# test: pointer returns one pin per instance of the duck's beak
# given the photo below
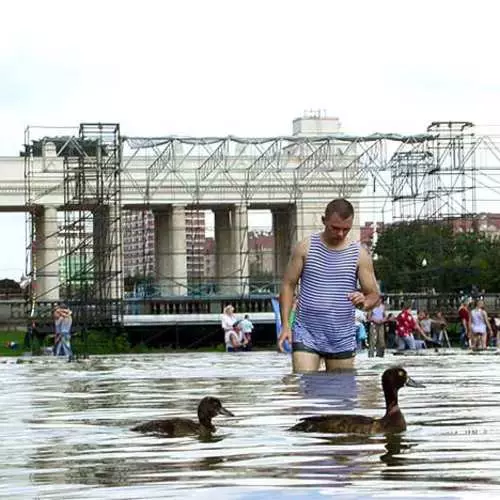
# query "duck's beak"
(413, 383)
(225, 411)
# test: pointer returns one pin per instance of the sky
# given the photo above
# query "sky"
(241, 67)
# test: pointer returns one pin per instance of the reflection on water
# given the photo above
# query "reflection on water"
(66, 428)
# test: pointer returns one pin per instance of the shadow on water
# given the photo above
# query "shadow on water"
(66, 430)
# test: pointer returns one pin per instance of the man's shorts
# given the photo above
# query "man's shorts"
(300, 347)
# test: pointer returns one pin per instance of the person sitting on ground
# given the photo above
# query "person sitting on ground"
(425, 336)
(235, 339)
(439, 332)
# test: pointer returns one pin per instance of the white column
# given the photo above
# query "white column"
(178, 245)
(107, 257)
(162, 233)
(308, 218)
(170, 250)
(231, 249)
(47, 257)
(355, 233)
(95, 272)
(240, 235)
(284, 236)
(116, 243)
(224, 251)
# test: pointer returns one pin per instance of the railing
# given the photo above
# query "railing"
(16, 312)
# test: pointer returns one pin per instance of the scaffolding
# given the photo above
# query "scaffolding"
(438, 180)
(175, 217)
(92, 229)
(73, 206)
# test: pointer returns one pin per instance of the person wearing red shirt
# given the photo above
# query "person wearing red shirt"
(405, 326)
(465, 331)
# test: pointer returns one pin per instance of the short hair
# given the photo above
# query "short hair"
(341, 207)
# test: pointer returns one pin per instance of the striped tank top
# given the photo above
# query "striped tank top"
(325, 316)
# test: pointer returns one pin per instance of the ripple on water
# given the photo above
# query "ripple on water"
(65, 429)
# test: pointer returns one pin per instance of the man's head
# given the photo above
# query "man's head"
(338, 219)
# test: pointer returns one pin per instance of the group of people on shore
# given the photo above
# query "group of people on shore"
(478, 329)
(237, 332)
(339, 308)
(378, 330)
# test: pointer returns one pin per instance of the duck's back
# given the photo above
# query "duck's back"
(170, 427)
(337, 424)
(352, 424)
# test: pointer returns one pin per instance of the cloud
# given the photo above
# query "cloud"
(245, 68)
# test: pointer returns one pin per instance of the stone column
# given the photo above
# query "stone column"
(170, 250)
(224, 251)
(240, 236)
(307, 218)
(117, 285)
(355, 233)
(106, 273)
(46, 257)
(178, 245)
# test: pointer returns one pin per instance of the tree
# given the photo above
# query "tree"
(420, 256)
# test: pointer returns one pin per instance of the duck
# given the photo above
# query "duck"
(208, 408)
(392, 422)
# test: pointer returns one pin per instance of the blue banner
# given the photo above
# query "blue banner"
(276, 308)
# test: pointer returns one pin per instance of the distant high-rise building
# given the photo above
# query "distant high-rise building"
(139, 242)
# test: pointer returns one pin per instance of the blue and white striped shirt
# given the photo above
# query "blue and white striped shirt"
(325, 315)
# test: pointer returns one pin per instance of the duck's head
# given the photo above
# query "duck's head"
(210, 407)
(397, 377)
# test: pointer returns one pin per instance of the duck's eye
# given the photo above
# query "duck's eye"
(401, 373)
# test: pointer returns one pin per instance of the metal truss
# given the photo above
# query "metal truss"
(291, 166)
(442, 173)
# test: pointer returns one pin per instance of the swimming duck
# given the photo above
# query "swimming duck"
(392, 422)
(208, 408)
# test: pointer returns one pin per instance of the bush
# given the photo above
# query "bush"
(100, 342)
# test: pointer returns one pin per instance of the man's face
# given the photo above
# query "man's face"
(336, 228)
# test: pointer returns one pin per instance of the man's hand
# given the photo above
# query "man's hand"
(357, 298)
(286, 334)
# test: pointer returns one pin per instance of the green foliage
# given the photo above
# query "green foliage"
(419, 256)
(11, 336)
(100, 342)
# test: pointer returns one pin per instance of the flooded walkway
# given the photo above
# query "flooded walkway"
(65, 428)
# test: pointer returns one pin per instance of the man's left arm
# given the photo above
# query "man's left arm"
(367, 280)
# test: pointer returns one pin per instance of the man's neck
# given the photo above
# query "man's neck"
(340, 245)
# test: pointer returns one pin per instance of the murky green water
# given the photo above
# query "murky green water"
(65, 434)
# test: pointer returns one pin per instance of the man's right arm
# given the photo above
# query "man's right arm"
(290, 280)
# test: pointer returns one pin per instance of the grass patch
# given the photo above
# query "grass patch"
(11, 336)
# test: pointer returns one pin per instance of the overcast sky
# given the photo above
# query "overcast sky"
(241, 67)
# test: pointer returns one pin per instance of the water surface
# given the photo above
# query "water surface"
(65, 429)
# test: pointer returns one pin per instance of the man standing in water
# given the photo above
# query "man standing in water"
(328, 266)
